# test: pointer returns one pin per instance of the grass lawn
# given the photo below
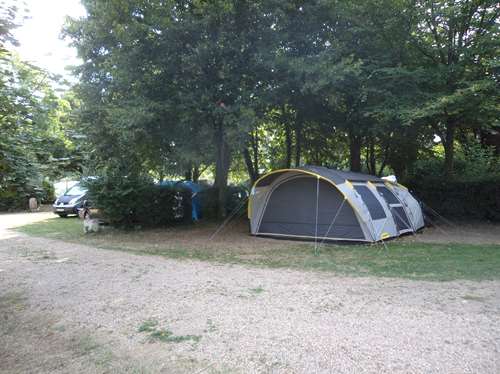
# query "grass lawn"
(402, 259)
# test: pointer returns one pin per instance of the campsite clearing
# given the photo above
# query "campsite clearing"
(72, 307)
(447, 253)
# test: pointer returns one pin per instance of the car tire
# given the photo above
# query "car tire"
(62, 215)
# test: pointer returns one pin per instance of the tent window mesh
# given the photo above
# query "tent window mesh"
(401, 219)
(374, 206)
(387, 195)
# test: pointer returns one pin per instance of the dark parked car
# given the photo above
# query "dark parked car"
(71, 201)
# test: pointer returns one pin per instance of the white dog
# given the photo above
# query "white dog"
(90, 225)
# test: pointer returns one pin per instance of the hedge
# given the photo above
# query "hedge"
(236, 198)
(15, 197)
(137, 201)
(477, 199)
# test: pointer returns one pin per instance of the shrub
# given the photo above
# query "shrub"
(47, 192)
(11, 199)
(15, 196)
(459, 198)
(18, 178)
(472, 163)
(165, 205)
(235, 198)
(472, 193)
(132, 200)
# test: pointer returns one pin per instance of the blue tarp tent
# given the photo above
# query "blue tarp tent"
(195, 189)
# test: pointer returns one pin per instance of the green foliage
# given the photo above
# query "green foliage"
(473, 162)
(236, 198)
(168, 336)
(472, 193)
(48, 193)
(460, 199)
(232, 86)
(18, 178)
(164, 335)
(148, 325)
(476, 161)
(458, 45)
(269, 82)
(118, 197)
(130, 200)
(34, 143)
(195, 96)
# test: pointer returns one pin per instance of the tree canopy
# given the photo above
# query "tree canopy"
(36, 125)
(234, 88)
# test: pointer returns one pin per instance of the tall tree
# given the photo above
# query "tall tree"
(33, 121)
(459, 43)
(199, 78)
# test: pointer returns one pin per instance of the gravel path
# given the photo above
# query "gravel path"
(231, 318)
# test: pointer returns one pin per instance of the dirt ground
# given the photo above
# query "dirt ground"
(450, 232)
(67, 308)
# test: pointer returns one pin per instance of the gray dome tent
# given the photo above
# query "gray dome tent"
(314, 202)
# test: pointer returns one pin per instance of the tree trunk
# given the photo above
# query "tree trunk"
(399, 170)
(251, 157)
(384, 161)
(221, 170)
(298, 143)
(371, 163)
(288, 143)
(188, 175)
(250, 167)
(196, 173)
(255, 149)
(449, 147)
(354, 152)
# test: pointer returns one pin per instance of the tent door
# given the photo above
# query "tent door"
(396, 207)
(401, 218)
